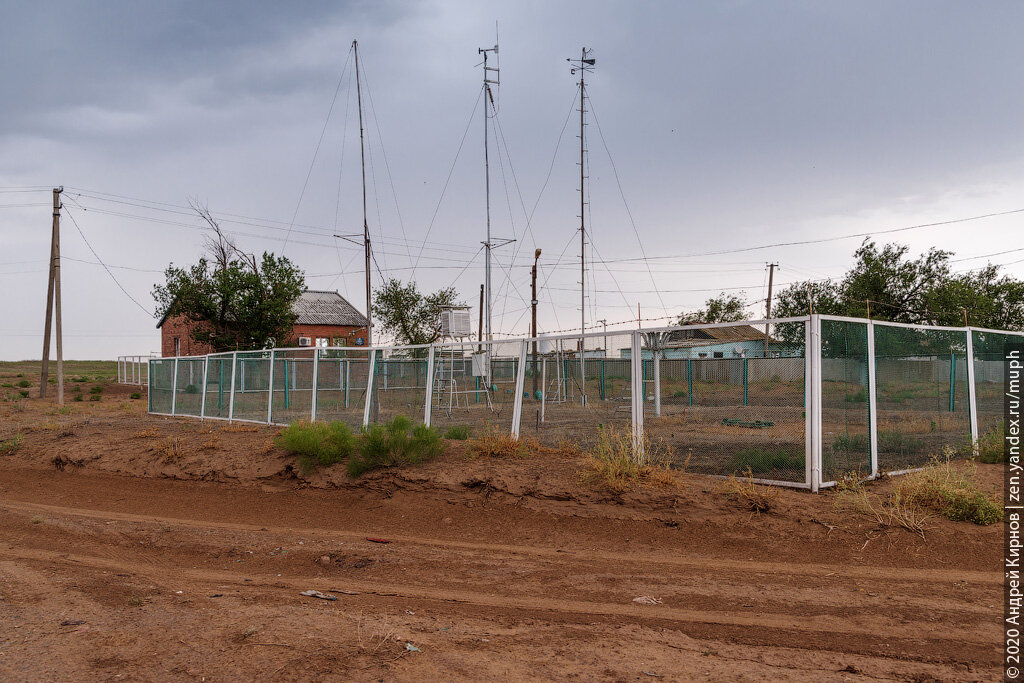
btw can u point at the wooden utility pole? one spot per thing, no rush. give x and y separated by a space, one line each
52 293
768 305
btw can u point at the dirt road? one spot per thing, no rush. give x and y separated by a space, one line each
124 578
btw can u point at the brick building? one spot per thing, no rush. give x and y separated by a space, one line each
322 319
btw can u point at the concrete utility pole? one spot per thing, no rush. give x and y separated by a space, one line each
52 295
366 226
488 245
768 305
533 329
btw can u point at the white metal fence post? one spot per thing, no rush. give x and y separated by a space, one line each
517 406
174 387
369 387
348 377
206 369
657 382
637 394
270 390
816 412
872 401
231 399
316 372
972 399
583 369
430 386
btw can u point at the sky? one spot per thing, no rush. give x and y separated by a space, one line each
711 127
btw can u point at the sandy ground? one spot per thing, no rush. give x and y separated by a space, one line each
135 547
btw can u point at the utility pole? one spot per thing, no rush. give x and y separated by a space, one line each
768 306
488 98
583 65
480 328
53 292
533 305
366 226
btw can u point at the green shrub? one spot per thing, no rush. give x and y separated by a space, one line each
679 394
96 390
8 385
317 443
83 378
135 395
24 394
991 445
24 383
11 446
95 397
191 389
78 397
851 443
395 443
952 491
457 433
757 459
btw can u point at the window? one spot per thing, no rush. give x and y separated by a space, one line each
702 355
337 341
323 342
719 354
177 346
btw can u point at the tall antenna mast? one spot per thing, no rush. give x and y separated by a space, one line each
584 64
366 227
488 245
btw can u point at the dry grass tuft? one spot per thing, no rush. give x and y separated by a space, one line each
239 428
211 444
616 462
496 443
146 434
895 511
754 497
171 449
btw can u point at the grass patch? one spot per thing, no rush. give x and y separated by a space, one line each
616 463
317 444
10 446
78 397
496 443
894 511
96 389
135 396
24 383
24 393
759 459
396 442
897 442
952 491
752 496
852 443
859 396
457 433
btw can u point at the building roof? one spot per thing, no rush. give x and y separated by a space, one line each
703 337
318 307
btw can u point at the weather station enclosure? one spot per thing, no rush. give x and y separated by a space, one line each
800 402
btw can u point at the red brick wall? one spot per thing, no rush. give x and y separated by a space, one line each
179 326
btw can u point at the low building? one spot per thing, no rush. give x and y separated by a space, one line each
322 319
735 341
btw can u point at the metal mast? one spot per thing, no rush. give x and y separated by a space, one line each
583 65
488 245
366 227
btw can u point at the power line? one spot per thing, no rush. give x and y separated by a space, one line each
120 286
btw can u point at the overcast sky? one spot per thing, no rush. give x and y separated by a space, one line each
730 125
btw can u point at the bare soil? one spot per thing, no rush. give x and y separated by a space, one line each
135 547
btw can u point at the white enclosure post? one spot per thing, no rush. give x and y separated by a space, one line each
369 387
202 405
657 383
348 376
430 386
636 365
815 412
583 370
231 399
517 406
316 370
872 401
174 385
270 390
972 399
543 385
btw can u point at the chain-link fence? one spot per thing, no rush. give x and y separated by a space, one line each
801 401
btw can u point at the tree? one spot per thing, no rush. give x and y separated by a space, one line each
409 316
918 291
724 308
236 299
